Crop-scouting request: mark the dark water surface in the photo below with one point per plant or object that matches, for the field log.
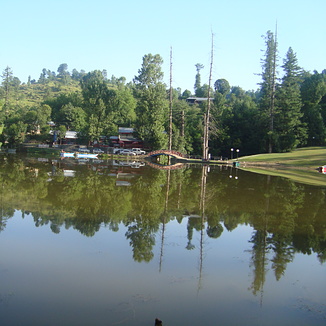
(123, 243)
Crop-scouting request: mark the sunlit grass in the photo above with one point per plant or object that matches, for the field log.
(300, 165)
(303, 157)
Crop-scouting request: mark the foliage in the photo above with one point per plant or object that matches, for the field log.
(152, 106)
(62, 133)
(283, 114)
(313, 93)
(15, 133)
(296, 222)
(197, 86)
(222, 86)
(268, 85)
(289, 127)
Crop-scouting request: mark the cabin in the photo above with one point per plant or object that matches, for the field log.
(70, 137)
(126, 139)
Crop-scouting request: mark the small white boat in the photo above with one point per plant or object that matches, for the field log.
(78, 155)
(86, 155)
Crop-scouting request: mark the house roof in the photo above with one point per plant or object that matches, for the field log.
(71, 134)
(123, 130)
(117, 138)
(198, 99)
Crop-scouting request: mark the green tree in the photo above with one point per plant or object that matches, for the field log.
(75, 99)
(96, 99)
(94, 89)
(62, 130)
(37, 118)
(238, 123)
(95, 126)
(117, 81)
(179, 141)
(31, 119)
(197, 86)
(193, 129)
(222, 86)
(16, 132)
(15, 84)
(63, 73)
(73, 117)
(77, 75)
(218, 129)
(42, 79)
(121, 105)
(152, 104)
(289, 129)
(7, 81)
(43, 114)
(268, 85)
(51, 75)
(313, 90)
(186, 94)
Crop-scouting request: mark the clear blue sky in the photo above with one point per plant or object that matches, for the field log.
(115, 35)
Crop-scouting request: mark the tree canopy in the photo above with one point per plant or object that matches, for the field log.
(283, 113)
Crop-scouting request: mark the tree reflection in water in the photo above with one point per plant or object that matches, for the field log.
(287, 217)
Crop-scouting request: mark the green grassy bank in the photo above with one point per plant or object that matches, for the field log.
(300, 165)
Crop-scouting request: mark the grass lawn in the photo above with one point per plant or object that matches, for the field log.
(300, 165)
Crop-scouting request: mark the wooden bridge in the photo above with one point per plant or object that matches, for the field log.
(174, 154)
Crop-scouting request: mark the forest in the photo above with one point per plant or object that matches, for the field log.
(287, 111)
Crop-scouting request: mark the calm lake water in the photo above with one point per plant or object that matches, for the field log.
(123, 243)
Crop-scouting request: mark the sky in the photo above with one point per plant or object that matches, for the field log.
(115, 35)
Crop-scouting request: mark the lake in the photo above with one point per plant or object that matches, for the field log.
(122, 243)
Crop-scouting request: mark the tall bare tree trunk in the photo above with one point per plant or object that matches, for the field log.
(207, 115)
(171, 97)
(272, 108)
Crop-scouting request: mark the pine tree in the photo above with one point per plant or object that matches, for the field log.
(268, 86)
(313, 91)
(197, 86)
(7, 80)
(289, 129)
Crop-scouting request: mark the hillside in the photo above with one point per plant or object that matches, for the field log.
(33, 94)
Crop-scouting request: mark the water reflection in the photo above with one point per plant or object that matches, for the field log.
(287, 218)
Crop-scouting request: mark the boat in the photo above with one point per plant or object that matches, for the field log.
(322, 169)
(78, 155)
(86, 155)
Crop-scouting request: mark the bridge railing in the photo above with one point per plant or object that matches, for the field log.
(165, 151)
